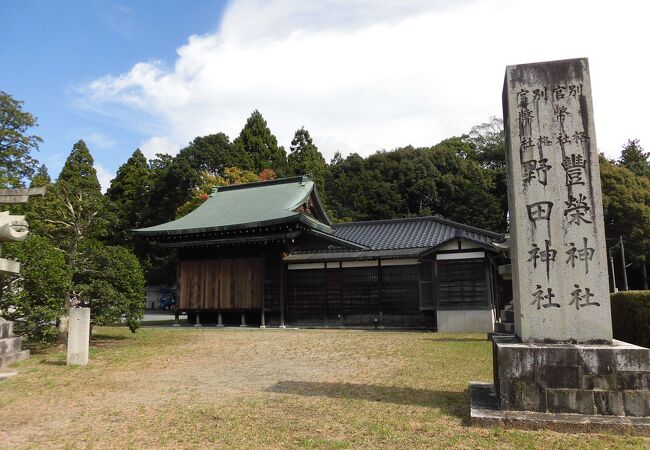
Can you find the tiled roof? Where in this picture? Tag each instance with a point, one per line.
(246, 206)
(420, 232)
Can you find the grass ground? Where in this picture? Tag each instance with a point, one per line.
(188, 388)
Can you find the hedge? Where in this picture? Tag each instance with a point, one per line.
(631, 317)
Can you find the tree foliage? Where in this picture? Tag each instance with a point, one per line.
(635, 159)
(16, 145)
(257, 141)
(110, 281)
(35, 298)
(129, 192)
(305, 159)
(626, 204)
(408, 181)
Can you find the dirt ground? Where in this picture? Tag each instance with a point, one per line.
(251, 388)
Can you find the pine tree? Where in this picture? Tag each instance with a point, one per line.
(261, 145)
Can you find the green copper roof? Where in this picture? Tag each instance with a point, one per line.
(248, 206)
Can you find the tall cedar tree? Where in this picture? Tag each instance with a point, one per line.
(261, 145)
(305, 159)
(16, 163)
(129, 191)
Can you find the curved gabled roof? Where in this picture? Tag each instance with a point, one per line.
(246, 206)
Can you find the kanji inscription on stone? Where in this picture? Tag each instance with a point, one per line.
(558, 253)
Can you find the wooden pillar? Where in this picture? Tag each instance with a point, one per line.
(176, 322)
(283, 288)
(381, 295)
(219, 320)
(243, 319)
(198, 320)
(263, 281)
(341, 294)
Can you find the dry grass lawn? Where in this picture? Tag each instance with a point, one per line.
(232, 388)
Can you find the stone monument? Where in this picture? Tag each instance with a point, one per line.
(563, 358)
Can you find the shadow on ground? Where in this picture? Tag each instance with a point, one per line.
(50, 362)
(446, 339)
(106, 337)
(449, 402)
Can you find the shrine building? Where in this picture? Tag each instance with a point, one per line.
(266, 254)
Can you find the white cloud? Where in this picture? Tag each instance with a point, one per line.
(100, 140)
(365, 75)
(158, 144)
(103, 176)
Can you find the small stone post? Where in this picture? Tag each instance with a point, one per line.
(78, 336)
(219, 320)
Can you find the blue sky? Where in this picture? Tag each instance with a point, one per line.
(50, 48)
(360, 75)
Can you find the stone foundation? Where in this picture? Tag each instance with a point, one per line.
(10, 345)
(572, 378)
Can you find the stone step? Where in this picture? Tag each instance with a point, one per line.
(503, 327)
(6, 329)
(10, 345)
(7, 374)
(507, 316)
(11, 358)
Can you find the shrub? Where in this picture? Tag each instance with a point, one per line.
(35, 298)
(631, 317)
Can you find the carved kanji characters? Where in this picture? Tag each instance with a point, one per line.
(581, 300)
(543, 299)
(577, 209)
(584, 253)
(539, 211)
(574, 167)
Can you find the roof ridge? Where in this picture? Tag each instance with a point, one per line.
(232, 187)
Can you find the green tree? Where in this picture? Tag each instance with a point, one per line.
(626, 204)
(110, 281)
(129, 192)
(35, 298)
(16, 144)
(305, 159)
(41, 178)
(74, 208)
(257, 141)
(635, 159)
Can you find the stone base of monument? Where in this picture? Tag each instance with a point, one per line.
(599, 384)
(10, 345)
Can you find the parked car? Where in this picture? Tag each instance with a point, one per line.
(168, 302)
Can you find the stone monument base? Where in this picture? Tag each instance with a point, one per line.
(587, 379)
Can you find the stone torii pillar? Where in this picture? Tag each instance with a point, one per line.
(13, 228)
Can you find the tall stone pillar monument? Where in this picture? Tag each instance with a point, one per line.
(563, 358)
(559, 260)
